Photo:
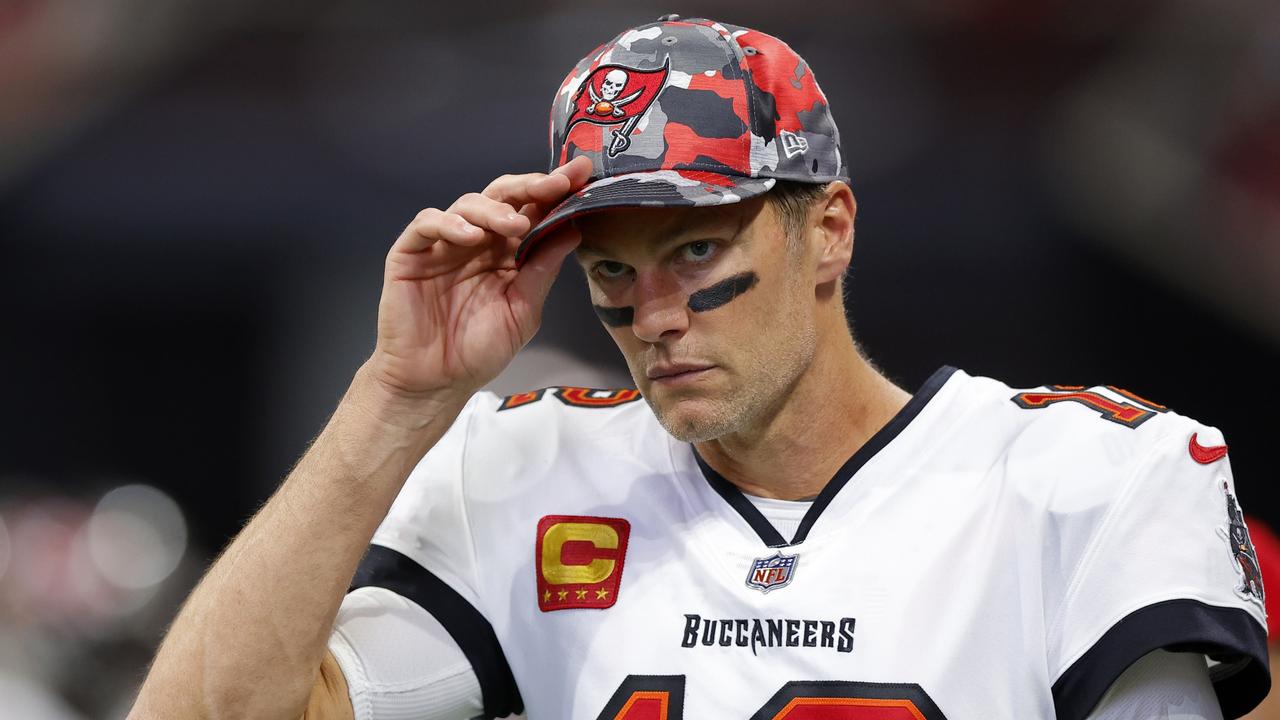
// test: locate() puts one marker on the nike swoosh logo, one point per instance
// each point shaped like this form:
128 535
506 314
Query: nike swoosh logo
1205 455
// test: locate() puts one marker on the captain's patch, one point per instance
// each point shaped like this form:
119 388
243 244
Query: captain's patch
580 561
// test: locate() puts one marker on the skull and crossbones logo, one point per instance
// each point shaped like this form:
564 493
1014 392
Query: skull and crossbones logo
607 102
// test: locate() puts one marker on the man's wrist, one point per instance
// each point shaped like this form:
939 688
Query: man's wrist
402 410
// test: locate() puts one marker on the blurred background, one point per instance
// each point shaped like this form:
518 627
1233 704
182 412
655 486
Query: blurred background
196 198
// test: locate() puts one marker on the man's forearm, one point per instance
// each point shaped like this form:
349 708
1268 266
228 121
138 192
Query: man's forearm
250 639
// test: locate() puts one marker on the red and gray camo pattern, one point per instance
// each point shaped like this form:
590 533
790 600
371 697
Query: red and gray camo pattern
687 113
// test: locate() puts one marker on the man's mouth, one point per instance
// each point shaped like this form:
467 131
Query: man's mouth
677 372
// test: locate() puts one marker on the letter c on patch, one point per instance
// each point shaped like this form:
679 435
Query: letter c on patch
554 569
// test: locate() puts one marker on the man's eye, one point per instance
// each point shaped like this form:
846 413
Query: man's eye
611 269
697 251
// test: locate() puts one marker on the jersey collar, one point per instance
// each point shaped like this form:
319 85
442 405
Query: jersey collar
765 529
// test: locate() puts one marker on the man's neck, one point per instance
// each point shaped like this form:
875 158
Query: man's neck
836 406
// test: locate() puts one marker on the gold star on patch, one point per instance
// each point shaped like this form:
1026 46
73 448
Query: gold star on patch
582 594
546 596
562 595
602 594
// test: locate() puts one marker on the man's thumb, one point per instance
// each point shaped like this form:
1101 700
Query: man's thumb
534 279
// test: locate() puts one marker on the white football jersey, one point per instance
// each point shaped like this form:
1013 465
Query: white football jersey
990 553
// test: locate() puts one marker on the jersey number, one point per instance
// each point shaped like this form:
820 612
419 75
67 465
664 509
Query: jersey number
1128 414
573 397
661 697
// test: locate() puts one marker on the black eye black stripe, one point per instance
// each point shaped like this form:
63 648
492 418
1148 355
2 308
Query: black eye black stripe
722 292
708 298
615 316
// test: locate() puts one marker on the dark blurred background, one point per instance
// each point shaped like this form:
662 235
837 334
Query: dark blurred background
196 197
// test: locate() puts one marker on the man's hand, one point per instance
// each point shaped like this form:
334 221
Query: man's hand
251 640
454 309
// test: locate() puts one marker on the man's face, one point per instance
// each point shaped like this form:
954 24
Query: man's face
713 311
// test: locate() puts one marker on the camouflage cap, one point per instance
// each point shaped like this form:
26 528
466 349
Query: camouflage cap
688 113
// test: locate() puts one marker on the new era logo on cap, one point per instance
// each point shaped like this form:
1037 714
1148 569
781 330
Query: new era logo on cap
792 144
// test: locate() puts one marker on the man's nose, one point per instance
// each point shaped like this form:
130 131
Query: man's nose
661 308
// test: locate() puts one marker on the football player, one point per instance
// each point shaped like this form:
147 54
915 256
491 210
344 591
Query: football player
766 527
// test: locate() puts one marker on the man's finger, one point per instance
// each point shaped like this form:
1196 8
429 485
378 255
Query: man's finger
539 188
533 281
578 170
433 224
537 211
519 190
489 214
455 229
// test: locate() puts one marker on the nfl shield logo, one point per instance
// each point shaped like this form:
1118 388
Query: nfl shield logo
772 572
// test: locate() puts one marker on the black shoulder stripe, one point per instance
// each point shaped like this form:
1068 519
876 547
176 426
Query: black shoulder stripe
1228 635
385 568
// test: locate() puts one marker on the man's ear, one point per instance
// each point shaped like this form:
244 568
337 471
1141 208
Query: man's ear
832 219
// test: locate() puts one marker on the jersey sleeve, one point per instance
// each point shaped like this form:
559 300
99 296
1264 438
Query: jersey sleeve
399 661
1161 684
1167 565
424 552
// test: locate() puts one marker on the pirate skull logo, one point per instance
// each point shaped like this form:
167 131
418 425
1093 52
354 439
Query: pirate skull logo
606 101
1242 550
611 86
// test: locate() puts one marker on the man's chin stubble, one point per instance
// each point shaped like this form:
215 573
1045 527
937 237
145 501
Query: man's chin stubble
696 429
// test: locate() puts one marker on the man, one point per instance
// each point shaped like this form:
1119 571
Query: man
777 531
